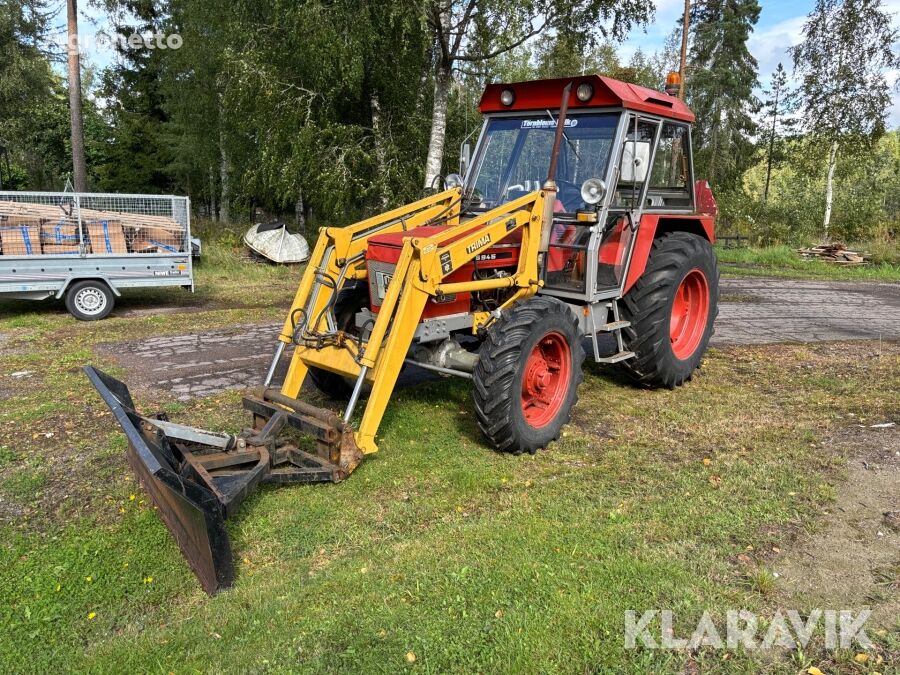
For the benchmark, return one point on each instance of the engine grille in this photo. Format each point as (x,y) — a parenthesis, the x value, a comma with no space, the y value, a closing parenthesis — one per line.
(378,270)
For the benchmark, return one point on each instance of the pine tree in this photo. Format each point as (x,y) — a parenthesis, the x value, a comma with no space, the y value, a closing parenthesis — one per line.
(777,107)
(721,77)
(848,46)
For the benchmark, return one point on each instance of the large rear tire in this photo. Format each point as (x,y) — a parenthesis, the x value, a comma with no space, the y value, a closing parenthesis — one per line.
(350,300)
(671,308)
(527,376)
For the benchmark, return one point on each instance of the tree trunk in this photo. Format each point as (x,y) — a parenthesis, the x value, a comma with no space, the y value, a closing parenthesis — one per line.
(771,146)
(829,187)
(714,150)
(380,149)
(79,167)
(435,157)
(684,46)
(225,179)
(299,217)
(213,213)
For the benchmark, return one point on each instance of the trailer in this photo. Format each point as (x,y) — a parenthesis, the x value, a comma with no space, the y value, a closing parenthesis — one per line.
(87,248)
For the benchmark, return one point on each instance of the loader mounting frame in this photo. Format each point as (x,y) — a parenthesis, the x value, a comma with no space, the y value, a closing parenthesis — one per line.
(423,265)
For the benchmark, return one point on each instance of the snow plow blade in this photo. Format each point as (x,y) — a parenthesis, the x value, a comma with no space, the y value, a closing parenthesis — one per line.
(197,479)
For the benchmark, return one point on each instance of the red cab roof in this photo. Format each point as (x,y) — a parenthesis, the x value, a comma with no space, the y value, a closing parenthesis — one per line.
(543,94)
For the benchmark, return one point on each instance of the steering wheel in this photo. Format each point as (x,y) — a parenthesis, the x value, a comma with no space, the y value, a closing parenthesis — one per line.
(569,194)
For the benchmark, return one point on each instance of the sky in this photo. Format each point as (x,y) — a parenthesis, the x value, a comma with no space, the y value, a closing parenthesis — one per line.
(780,27)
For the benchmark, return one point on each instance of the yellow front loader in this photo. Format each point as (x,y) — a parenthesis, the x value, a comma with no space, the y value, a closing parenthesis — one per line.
(198,478)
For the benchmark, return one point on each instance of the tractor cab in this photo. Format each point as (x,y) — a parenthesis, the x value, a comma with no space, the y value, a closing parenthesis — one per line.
(626,152)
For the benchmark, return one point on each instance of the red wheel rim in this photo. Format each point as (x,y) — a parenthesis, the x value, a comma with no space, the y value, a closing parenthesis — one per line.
(690,309)
(545,382)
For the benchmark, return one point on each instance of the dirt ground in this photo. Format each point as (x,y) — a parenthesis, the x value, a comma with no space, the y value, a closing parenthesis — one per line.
(853,560)
(752,311)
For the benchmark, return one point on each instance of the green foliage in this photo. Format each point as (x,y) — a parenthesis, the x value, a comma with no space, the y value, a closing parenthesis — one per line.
(33,102)
(852,43)
(866,203)
(24,69)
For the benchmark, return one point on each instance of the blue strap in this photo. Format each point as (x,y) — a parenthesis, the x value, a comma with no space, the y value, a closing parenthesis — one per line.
(24,229)
(106,236)
(64,238)
(165,247)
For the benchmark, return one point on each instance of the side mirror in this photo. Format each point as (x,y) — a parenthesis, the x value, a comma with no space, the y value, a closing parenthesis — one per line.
(465,158)
(452,180)
(635,161)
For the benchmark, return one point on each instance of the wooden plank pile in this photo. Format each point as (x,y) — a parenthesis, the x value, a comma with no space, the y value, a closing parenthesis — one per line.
(35,229)
(837,254)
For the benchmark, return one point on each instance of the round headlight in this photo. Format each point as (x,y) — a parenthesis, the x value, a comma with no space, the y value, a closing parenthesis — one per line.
(593,190)
(584,92)
(507,97)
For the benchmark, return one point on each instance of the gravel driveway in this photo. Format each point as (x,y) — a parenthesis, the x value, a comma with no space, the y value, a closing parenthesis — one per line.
(752,311)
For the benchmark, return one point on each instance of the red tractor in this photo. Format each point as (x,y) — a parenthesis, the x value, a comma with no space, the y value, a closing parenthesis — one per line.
(577,216)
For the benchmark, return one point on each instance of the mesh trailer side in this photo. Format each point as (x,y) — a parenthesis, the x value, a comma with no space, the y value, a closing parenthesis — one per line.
(81,224)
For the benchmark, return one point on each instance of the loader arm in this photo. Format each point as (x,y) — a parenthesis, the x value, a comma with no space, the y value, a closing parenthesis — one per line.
(424,264)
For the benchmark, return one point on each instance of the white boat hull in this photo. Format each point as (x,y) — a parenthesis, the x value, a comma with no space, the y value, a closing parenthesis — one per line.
(277,245)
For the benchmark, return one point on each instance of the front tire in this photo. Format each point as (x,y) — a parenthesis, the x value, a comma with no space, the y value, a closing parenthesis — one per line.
(671,308)
(89,300)
(527,376)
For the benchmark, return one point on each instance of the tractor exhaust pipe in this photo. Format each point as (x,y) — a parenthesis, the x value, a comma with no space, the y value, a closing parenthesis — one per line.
(549,186)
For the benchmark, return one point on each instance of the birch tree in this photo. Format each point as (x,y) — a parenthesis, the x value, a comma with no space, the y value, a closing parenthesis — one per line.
(848,46)
(472,32)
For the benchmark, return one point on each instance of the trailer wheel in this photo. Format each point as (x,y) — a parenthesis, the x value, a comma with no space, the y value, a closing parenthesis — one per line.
(527,376)
(89,300)
(350,300)
(671,308)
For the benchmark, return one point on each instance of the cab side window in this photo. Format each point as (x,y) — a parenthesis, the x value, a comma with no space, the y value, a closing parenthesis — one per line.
(671,173)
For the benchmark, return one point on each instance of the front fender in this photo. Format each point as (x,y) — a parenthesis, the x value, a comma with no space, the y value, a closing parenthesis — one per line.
(655,225)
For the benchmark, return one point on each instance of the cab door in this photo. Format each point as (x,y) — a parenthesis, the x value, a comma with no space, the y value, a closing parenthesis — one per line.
(627,203)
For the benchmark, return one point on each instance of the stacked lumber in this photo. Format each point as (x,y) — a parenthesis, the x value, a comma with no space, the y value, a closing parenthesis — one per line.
(32,229)
(837,254)
(136,220)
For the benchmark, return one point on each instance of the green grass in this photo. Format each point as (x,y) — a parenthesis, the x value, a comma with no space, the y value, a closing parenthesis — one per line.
(784,261)
(436,546)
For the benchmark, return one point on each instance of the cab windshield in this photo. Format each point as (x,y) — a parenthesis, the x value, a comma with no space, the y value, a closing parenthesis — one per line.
(515,155)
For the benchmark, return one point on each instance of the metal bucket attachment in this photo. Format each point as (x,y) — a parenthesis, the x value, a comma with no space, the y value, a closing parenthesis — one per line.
(198,478)
(190,510)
